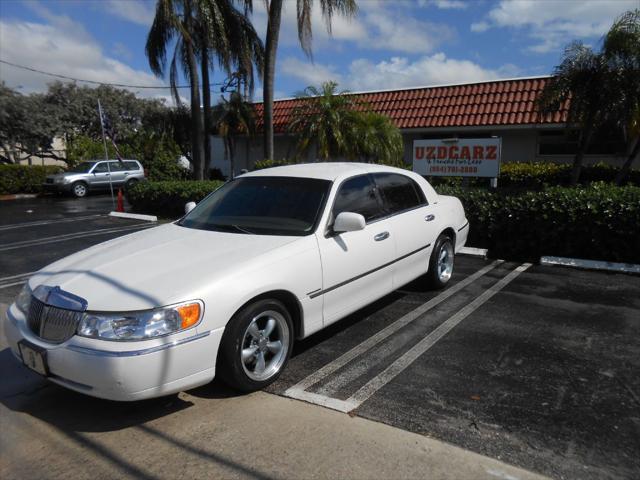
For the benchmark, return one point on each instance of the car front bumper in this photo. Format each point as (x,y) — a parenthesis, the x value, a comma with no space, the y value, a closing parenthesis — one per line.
(123,371)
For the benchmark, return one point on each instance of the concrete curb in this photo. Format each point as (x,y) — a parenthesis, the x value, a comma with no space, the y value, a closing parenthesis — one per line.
(473,252)
(18,196)
(135,216)
(591,264)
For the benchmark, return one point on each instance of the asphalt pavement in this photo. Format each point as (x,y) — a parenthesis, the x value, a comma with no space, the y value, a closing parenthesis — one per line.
(528,365)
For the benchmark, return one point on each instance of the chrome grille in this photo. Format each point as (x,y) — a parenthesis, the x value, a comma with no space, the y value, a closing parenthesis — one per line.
(52,324)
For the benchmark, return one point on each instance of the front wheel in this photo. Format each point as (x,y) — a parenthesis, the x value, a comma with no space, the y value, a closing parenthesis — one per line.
(79,189)
(256,345)
(441,262)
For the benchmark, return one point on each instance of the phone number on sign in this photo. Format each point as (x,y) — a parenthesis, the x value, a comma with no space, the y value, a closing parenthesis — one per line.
(452,169)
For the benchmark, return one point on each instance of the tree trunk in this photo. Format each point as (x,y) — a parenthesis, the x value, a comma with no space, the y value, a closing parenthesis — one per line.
(271,48)
(197,146)
(206,102)
(582,149)
(624,171)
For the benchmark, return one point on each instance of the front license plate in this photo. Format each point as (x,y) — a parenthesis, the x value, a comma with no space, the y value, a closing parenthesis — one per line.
(34,357)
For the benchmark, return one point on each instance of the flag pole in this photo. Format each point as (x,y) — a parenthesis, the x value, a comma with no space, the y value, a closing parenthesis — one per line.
(106,154)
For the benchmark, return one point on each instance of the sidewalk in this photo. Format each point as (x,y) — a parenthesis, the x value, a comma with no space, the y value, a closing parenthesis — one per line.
(254,436)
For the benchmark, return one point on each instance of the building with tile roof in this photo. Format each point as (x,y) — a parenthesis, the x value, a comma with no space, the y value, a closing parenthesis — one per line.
(502,108)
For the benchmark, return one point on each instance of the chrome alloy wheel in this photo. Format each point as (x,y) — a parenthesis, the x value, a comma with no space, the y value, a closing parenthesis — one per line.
(264,345)
(445,261)
(80,190)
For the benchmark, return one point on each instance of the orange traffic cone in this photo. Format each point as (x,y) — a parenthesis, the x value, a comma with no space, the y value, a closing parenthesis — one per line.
(120,207)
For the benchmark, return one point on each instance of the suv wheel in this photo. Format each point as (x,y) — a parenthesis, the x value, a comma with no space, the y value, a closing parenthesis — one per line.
(79,189)
(130,184)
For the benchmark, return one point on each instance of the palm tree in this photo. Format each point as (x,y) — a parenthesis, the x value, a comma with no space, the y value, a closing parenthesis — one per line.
(324,118)
(577,84)
(233,117)
(202,29)
(329,8)
(176,19)
(621,51)
(341,127)
(377,139)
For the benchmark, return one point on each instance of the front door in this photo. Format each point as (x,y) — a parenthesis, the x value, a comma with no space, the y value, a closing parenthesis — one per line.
(356,266)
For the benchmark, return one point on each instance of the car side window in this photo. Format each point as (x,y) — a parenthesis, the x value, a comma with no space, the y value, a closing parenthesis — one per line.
(131,165)
(358,195)
(399,192)
(100,168)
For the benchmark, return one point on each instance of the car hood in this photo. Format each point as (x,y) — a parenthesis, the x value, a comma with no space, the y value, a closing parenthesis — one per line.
(155,267)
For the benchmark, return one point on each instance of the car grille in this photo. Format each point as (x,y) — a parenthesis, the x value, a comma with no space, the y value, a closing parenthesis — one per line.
(52,324)
(49,180)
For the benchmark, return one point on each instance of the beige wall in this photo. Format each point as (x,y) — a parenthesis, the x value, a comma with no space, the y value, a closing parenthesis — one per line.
(59,148)
(518,145)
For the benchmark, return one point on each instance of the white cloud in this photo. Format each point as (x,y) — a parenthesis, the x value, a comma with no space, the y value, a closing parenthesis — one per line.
(397,72)
(445,4)
(64,47)
(309,73)
(553,24)
(379,25)
(135,11)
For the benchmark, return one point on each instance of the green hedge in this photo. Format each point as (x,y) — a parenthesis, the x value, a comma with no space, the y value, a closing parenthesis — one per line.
(167,199)
(24,178)
(598,222)
(539,175)
(262,164)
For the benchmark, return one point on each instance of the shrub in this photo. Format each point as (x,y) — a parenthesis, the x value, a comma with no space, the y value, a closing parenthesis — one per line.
(261,164)
(24,178)
(599,222)
(540,175)
(167,199)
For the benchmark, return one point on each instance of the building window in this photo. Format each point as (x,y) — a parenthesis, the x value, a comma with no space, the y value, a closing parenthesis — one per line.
(566,142)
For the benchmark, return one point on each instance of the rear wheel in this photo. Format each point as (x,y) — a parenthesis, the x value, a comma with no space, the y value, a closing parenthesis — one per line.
(441,262)
(256,345)
(130,184)
(79,189)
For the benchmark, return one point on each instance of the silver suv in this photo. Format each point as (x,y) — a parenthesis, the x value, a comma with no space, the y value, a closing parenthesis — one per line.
(95,175)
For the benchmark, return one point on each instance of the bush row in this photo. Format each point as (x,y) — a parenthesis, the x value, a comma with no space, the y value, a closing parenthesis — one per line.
(167,199)
(24,178)
(598,222)
(539,175)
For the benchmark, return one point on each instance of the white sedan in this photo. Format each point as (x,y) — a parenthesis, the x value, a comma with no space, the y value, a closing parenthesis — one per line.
(270,257)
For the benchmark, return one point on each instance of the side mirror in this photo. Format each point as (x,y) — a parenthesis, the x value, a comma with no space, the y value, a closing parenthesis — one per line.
(348,222)
(189,206)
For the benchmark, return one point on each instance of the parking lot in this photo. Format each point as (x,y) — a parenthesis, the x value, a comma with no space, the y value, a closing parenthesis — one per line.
(534,366)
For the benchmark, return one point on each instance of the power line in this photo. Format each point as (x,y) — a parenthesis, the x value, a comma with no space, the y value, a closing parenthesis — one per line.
(94,82)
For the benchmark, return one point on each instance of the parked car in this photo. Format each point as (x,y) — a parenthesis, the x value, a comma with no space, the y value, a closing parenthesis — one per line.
(95,175)
(270,257)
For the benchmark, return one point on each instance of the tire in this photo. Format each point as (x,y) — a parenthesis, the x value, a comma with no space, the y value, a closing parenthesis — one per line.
(130,184)
(249,358)
(79,189)
(441,263)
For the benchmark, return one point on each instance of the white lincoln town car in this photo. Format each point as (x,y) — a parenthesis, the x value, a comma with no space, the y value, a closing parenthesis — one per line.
(270,257)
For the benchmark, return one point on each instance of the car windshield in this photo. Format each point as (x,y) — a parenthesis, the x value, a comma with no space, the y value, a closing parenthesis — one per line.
(83,167)
(263,206)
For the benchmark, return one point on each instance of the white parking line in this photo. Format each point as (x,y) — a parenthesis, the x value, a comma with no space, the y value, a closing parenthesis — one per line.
(70,236)
(299,392)
(379,381)
(7,285)
(47,222)
(388,330)
(3,279)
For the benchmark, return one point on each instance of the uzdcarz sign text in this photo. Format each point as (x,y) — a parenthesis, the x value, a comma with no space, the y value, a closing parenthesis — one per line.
(467,157)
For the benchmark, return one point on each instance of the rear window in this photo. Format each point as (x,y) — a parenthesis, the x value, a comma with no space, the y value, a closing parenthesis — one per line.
(132,165)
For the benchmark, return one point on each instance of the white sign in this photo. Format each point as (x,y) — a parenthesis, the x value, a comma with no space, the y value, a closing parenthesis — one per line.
(464,157)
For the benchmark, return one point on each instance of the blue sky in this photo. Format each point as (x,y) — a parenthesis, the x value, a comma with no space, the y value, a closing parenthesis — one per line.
(390,44)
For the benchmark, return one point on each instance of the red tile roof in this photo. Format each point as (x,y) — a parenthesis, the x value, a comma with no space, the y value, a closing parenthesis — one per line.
(501,102)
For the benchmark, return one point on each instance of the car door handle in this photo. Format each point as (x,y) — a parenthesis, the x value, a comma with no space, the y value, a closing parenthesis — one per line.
(429,217)
(381,236)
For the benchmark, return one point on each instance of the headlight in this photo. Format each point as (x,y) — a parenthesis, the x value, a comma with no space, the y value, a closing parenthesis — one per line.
(23,300)
(140,325)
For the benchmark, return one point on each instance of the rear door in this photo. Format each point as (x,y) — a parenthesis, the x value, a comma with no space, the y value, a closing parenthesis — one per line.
(356,266)
(118,173)
(411,222)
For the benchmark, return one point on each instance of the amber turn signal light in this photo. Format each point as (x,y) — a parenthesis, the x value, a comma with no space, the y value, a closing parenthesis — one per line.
(189,313)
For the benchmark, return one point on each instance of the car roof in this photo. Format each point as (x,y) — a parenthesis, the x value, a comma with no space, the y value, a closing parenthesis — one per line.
(324,170)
